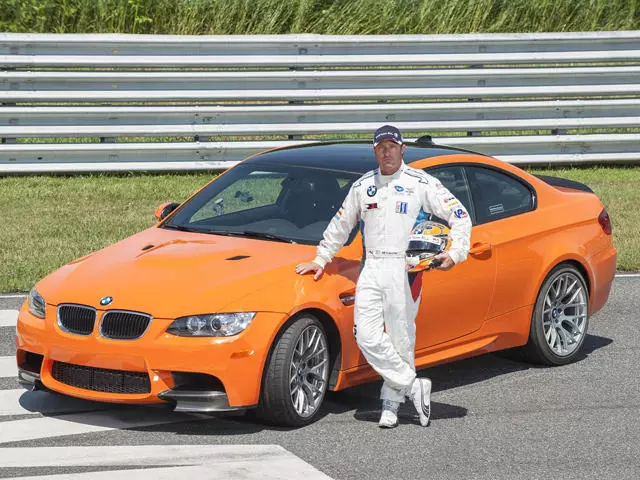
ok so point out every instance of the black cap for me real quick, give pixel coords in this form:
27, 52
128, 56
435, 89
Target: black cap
387, 132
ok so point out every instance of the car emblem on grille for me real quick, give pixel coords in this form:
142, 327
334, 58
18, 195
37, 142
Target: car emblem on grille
106, 301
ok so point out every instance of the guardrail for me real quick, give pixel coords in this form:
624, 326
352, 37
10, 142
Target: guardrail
71, 103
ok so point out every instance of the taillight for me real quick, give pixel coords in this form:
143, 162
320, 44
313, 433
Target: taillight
605, 222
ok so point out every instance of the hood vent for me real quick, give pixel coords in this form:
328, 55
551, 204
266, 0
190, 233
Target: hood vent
238, 257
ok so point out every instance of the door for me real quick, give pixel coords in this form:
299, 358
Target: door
456, 303
505, 206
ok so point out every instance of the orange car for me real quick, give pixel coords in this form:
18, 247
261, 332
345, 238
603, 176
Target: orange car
205, 310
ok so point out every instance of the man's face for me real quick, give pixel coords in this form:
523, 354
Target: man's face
389, 156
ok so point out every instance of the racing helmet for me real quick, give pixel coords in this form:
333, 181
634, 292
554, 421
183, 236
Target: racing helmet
427, 239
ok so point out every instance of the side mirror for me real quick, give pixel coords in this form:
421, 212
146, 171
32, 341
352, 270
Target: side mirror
165, 209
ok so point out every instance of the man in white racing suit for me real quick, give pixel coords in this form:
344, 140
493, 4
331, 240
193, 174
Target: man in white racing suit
388, 202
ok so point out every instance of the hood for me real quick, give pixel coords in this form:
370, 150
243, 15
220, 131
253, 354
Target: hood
168, 274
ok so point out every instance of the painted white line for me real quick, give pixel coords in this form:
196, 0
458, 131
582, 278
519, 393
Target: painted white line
8, 368
77, 423
624, 275
203, 461
8, 318
22, 401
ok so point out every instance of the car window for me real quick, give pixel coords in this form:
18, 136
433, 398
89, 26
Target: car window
498, 195
258, 189
454, 180
294, 203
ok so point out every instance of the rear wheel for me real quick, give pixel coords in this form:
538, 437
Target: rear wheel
560, 318
296, 375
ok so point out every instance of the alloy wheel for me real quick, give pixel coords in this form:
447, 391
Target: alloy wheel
308, 371
564, 314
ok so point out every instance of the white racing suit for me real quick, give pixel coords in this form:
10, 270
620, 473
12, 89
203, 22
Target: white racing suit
387, 298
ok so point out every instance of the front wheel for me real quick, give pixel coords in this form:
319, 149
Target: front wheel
560, 318
296, 375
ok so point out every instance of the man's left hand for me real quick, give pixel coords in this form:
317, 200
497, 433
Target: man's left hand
446, 262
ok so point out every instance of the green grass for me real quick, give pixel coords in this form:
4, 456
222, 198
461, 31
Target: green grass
364, 17
51, 220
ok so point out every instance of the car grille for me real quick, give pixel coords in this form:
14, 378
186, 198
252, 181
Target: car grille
100, 379
77, 319
121, 325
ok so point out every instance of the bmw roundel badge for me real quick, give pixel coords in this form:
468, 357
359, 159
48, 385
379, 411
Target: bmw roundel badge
371, 191
106, 301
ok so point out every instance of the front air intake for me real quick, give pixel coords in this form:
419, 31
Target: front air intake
101, 379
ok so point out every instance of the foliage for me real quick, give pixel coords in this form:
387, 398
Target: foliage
344, 17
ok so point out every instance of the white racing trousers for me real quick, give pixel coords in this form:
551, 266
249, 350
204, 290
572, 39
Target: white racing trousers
384, 322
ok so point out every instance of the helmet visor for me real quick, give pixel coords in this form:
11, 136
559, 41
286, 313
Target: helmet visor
434, 245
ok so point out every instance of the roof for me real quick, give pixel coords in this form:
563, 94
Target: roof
357, 157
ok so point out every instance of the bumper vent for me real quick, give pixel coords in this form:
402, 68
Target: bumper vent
100, 379
76, 319
120, 325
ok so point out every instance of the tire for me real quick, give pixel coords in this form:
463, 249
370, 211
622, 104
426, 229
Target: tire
296, 375
560, 318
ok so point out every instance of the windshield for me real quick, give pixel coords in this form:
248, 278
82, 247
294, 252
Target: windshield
274, 202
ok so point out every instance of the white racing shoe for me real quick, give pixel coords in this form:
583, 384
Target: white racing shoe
421, 396
389, 417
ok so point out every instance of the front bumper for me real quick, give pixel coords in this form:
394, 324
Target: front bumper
237, 362
30, 380
197, 401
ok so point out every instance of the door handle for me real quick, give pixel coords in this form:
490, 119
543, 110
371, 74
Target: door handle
480, 248
349, 297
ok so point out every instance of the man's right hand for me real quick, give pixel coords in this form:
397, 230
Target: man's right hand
307, 267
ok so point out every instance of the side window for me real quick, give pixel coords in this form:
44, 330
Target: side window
454, 180
498, 195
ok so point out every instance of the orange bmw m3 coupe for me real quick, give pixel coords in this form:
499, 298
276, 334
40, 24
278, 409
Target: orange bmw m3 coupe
204, 311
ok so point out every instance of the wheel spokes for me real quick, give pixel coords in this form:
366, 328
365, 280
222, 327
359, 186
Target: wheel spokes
564, 313
308, 371
308, 395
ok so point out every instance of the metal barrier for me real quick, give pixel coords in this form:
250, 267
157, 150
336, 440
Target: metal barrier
72, 103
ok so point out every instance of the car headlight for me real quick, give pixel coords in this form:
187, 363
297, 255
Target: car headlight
213, 325
36, 303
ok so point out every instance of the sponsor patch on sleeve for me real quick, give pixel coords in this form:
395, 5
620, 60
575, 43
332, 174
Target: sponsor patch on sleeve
461, 213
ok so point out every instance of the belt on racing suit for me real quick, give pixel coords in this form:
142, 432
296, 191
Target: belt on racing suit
377, 253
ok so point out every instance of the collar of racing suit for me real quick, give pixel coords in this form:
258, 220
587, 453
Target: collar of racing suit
384, 179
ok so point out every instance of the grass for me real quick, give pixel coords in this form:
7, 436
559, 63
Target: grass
337, 17
51, 220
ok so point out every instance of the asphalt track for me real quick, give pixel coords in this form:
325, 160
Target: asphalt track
493, 418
